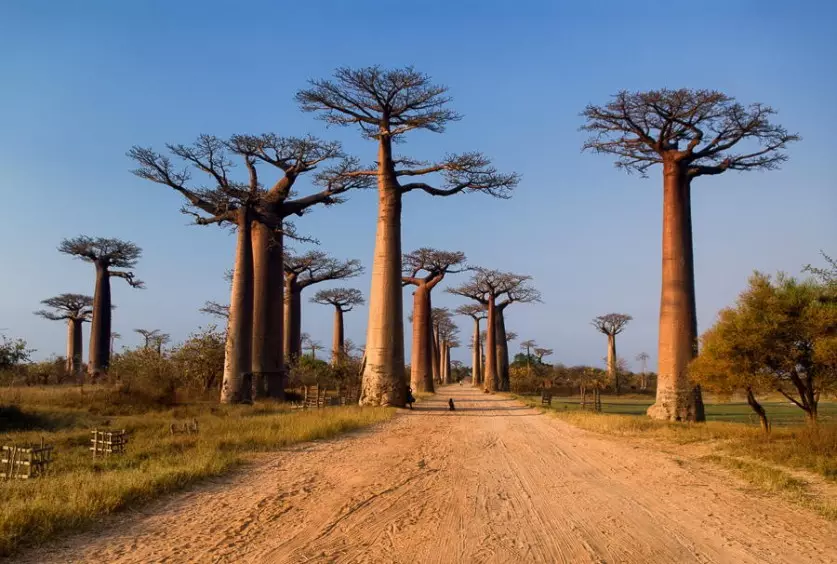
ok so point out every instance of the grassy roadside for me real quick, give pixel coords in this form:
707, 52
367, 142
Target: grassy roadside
77, 490
764, 462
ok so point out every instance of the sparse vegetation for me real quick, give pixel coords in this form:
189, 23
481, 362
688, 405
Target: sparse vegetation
77, 490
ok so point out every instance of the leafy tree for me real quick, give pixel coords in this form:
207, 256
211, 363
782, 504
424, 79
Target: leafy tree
691, 134
105, 255
780, 336
200, 359
13, 352
386, 104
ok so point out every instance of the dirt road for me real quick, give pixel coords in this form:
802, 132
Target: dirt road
491, 482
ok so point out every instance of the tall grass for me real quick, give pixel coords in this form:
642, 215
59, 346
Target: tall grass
78, 490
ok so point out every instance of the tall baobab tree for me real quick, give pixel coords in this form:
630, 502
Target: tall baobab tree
477, 312
75, 309
105, 255
255, 325
521, 294
386, 104
611, 324
149, 335
343, 300
302, 271
485, 287
642, 358
424, 269
691, 133
439, 316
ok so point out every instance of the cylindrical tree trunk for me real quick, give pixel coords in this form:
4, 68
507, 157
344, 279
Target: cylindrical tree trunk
612, 370
676, 397
502, 351
75, 349
700, 414
476, 371
435, 359
383, 376
762, 414
236, 386
274, 352
100, 326
445, 365
492, 382
421, 371
337, 342
260, 240
293, 319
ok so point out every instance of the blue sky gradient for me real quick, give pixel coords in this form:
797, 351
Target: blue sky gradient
84, 81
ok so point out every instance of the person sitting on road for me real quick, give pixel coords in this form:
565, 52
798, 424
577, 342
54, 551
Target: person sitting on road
450, 404
410, 399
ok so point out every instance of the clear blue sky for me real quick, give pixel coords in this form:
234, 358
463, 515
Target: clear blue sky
83, 81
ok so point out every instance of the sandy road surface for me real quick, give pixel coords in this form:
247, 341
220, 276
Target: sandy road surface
491, 482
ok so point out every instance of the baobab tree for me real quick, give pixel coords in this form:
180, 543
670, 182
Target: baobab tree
343, 300
611, 324
642, 358
114, 336
542, 352
302, 271
448, 333
477, 312
691, 133
521, 294
310, 343
105, 255
149, 335
485, 287
424, 269
255, 327
386, 104
75, 309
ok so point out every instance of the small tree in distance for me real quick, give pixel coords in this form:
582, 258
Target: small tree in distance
612, 324
76, 309
343, 300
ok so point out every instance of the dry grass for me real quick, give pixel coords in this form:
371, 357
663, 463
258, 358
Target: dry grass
795, 446
78, 490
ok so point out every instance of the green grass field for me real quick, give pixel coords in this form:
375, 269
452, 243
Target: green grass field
780, 413
78, 490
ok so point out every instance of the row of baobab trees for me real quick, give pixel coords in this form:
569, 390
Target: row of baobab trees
689, 133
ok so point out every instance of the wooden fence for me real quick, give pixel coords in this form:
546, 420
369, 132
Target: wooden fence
106, 443
24, 462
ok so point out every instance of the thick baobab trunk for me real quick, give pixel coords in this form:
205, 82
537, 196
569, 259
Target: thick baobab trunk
383, 376
491, 380
260, 240
100, 326
476, 371
421, 371
762, 414
237, 383
75, 349
293, 320
700, 414
436, 358
445, 362
612, 371
676, 397
273, 353
502, 351
337, 342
